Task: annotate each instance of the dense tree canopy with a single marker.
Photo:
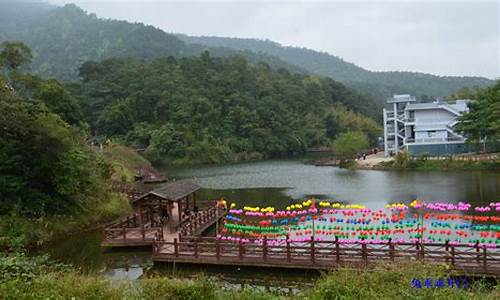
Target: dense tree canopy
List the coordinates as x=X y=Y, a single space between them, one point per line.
x=482 y=122
x=377 y=84
x=46 y=166
x=212 y=109
x=64 y=37
x=14 y=54
x=349 y=143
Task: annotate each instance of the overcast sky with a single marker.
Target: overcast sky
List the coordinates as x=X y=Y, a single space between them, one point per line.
x=439 y=37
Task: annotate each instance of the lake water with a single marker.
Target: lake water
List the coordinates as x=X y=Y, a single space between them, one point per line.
x=278 y=183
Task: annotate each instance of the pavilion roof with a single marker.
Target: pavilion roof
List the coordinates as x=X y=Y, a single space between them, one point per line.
x=173 y=191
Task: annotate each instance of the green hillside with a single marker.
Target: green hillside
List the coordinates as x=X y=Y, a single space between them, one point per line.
x=378 y=84
x=65 y=37
x=206 y=109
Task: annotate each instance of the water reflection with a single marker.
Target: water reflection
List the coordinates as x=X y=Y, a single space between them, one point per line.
x=278 y=182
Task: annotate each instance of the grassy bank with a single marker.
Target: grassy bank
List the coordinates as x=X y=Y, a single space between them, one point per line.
x=22 y=278
x=125 y=161
x=102 y=206
x=403 y=161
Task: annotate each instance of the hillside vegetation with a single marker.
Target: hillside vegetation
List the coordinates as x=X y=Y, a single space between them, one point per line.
x=207 y=109
x=63 y=38
x=377 y=84
x=52 y=180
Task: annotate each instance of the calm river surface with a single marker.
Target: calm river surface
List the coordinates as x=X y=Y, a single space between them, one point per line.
x=277 y=183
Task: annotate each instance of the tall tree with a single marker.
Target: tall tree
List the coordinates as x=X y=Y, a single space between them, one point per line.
x=14 y=54
x=482 y=122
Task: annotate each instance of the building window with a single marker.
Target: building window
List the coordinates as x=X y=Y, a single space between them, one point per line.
x=431 y=133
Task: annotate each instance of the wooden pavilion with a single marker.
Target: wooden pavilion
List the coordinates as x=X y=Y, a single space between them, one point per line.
x=171 y=200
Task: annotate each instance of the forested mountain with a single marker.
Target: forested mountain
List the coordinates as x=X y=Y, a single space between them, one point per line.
x=379 y=84
x=62 y=38
x=208 y=109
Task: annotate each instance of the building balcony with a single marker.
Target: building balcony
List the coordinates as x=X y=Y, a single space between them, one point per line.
x=433 y=140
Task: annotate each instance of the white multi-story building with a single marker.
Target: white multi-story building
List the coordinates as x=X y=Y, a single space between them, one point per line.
x=422 y=128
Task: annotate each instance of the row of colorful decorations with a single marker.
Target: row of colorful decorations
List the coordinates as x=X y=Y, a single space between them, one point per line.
x=353 y=223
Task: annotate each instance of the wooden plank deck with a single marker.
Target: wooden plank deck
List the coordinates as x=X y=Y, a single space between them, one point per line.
x=119 y=235
x=462 y=259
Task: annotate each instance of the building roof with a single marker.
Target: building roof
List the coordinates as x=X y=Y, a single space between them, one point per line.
x=428 y=105
x=173 y=191
x=401 y=98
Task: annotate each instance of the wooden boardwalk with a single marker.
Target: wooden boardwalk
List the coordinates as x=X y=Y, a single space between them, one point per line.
x=324 y=255
x=131 y=232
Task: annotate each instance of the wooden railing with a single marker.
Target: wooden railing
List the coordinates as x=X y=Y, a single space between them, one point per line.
x=201 y=220
x=326 y=254
x=142 y=233
x=135 y=227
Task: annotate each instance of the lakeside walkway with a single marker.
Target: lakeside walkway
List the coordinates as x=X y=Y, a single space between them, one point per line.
x=326 y=255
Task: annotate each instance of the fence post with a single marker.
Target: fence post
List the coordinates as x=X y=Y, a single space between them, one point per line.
x=143 y=232
x=313 y=249
x=337 y=250
x=240 y=250
x=485 y=265
x=447 y=248
x=453 y=255
x=124 y=233
x=195 y=249
x=264 y=248
x=391 y=249
x=478 y=256
x=418 y=250
x=288 y=257
x=364 y=254
x=176 y=248
x=422 y=251
x=217 y=249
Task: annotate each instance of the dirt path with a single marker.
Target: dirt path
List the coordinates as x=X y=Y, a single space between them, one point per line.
x=372 y=160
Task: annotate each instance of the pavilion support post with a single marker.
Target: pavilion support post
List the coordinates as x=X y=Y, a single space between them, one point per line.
x=170 y=215
x=179 y=210
x=194 y=199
